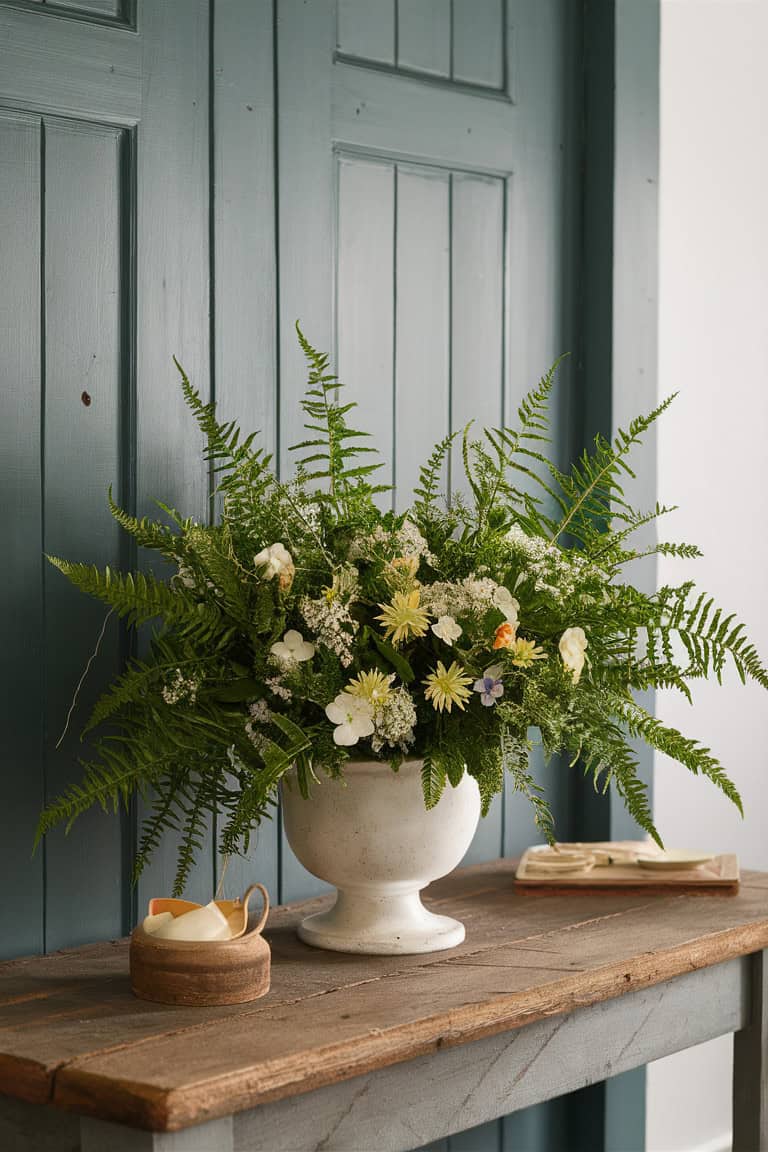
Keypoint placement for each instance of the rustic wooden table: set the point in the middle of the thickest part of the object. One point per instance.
(548, 993)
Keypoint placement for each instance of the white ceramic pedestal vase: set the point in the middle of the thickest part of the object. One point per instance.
(370, 835)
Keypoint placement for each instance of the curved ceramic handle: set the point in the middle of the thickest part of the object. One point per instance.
(265, 912)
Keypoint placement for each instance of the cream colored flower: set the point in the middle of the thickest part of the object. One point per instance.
(371, 686)
(293, 648)
(524, 652)
(276, 560)
(403, 618)
(447, 686)
(573, 644)
(353, 718)
(506, 603)
(447, 630)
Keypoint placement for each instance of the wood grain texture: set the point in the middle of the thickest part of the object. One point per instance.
(199, 973)
(49, 63)
(450, 1091)
(330, 1017)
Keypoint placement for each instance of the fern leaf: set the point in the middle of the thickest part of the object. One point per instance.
(433, 781)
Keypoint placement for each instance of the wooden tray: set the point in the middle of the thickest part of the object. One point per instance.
(721, 872)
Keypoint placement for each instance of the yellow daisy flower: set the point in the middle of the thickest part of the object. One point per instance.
(403, 618)
(371, 686)
(524, 652)
(447, 686)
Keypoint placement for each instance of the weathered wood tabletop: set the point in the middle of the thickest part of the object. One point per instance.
(72, 1034)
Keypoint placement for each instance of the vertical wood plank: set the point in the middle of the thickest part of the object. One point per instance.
(479, 42)
(477, 300)
(424, 36)
(173, 304)
(365, 300)
(422, 322)
(366, 28)
(21, 909)
(305, 38)
(81, 460)
(477, 343)
(245, 276)
(305, 222)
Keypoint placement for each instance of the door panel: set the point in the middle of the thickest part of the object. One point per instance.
(21, 656)
(105, 225)
(81, 415)
(422, 232)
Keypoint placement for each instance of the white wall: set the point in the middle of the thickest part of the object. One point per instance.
(713, 450)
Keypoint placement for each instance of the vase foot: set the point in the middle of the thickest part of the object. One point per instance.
(380, 925)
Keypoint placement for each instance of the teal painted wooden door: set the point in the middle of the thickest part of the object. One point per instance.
(104, 229)
(189, 177)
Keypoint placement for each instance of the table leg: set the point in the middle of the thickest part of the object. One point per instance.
(750, 1066)
(101, 1136)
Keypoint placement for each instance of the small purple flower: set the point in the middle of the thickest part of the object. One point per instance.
(490, 686)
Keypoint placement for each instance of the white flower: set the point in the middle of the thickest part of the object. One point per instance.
(506, 603)
(293, 648)
(259, 710)
(573, 643)
(352, 716)
(447, 629)
(276, 560)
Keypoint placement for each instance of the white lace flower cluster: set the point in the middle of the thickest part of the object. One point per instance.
(329, 618)
(472, 596)
(406, 541)
(180, 688)
(259, 713)
(275, 685)
(393, 722)
(551, 571)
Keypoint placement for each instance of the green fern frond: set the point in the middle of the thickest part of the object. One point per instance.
(515, 756)
(433, 781)
(148, 533)
(139, 597)
(333, 452)
(430, 479)
(690, 753)
(592, 490)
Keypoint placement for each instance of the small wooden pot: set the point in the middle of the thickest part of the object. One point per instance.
(201, 973)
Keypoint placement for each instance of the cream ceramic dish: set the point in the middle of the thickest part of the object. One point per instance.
(674, 860)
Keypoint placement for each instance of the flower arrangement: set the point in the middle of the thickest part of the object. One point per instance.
(311, 622)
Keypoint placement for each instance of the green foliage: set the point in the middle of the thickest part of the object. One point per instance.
(213, 714)
(433, 780)
(333, 450)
